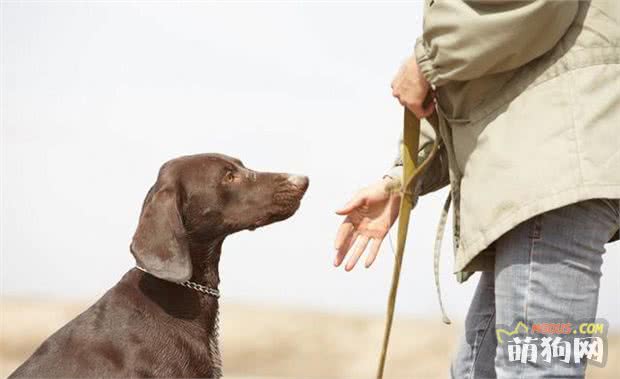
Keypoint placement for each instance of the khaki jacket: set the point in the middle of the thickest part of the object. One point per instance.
(528, 96)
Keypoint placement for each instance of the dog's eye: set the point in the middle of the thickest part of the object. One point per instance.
(229, 177)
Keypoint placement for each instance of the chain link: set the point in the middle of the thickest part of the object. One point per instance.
(195, 286)
(200, 288)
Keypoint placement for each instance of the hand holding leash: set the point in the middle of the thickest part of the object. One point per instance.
(412, 89)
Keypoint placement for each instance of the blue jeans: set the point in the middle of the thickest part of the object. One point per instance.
(547, 268)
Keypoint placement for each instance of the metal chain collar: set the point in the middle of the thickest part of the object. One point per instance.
(195, 286)
(200, 288)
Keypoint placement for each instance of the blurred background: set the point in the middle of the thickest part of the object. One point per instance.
(95, 96)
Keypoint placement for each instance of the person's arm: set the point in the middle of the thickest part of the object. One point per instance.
(467, 40)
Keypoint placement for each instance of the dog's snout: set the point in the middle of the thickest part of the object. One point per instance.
(299, 181)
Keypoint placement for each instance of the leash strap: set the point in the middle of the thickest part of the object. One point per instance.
(437, 254)
(411, 173)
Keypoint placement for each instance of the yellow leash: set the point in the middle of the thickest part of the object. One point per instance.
(411, 173)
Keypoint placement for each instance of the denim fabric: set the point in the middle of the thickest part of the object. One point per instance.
(547, 268)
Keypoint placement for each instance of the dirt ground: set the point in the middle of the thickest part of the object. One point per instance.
(269, 342)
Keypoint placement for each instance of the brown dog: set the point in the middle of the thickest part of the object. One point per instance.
(148, 325)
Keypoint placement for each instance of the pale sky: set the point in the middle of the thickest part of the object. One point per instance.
(96, 96)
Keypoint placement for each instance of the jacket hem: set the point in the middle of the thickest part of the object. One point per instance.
(469, 250)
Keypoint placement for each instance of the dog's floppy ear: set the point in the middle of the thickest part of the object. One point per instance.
(159, 244)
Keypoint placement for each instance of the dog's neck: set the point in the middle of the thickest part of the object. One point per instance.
(188, 305)
(205, 258)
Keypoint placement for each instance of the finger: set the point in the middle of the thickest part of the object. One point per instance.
(360, 246)
(428, 109)
(351, 205)
(397, 78)
(396, 90)
(374, 251)
(344, 231)
(414, 106)
(344, 248)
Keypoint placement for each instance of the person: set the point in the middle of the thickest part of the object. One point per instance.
(527, 96)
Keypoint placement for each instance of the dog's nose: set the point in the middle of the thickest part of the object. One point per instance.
(299, 181)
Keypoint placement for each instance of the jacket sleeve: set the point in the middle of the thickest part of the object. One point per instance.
(467, 40)
(437, 175)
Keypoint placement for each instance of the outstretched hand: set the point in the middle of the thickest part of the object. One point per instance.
(369, 216)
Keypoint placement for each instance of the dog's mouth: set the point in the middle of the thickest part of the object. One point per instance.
(286, 201)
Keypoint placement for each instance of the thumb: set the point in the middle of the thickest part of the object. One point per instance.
(351, 205)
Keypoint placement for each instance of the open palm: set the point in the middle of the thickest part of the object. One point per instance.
(370, 215)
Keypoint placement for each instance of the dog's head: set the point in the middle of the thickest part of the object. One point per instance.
(202, 198)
